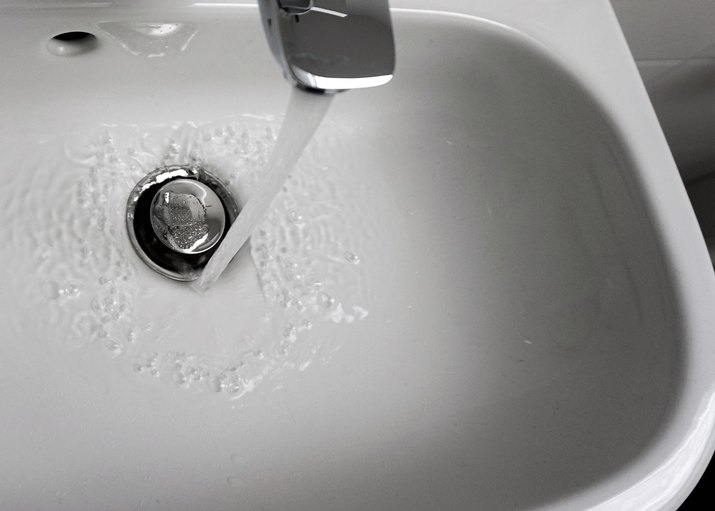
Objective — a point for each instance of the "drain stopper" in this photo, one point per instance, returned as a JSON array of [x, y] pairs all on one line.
[[176, 217], [187, 216]]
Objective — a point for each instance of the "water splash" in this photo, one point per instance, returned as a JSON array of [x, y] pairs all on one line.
[[304, 114], [73, 264]]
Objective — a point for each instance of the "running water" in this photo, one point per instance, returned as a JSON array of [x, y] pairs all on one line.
[[304, 114]]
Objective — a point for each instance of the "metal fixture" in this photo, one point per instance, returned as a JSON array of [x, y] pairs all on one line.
[[331, 45], [176, 218]]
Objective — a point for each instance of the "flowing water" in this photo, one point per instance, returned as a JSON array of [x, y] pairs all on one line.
[[276, 312], [304, 114]]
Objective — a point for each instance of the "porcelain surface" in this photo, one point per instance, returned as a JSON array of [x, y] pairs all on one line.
[[482, 288]]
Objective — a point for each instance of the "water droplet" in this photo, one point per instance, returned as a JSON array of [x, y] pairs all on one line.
[[113, 346], [351, 257], [290, 333], [326, 300], [71, 290], [315, 285], [294, 217], [297, 304]]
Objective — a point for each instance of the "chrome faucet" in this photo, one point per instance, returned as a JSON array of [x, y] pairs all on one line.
[[331, 45]]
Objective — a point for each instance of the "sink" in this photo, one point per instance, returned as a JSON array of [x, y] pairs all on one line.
[[481, 288]]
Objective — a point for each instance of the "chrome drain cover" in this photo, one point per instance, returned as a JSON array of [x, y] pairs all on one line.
[[177, 217]]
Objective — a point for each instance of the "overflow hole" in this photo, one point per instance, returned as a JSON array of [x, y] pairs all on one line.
[[72, 43]]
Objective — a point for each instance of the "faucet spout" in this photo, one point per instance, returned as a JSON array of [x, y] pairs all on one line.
[[331, 45]]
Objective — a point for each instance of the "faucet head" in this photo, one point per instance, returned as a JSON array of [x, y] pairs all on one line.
[[331, 45]]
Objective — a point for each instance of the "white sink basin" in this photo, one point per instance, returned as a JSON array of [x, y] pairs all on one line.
[[482, 288]]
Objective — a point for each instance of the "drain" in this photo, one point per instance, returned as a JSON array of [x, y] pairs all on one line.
[[177, 217], [68, 44]]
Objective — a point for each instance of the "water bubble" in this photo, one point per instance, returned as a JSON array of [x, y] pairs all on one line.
[[314, 284], [71, 290], [297, 304], [326, 300], [290, 332], [294, 217], [113, 346], [351, 257], [291, 274]]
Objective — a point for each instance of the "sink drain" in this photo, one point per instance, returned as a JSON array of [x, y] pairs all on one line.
[[177, 217]]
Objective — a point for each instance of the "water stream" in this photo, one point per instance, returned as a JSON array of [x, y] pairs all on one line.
[[303, 116]]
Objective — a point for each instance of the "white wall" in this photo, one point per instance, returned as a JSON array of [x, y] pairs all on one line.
[[673, 42]]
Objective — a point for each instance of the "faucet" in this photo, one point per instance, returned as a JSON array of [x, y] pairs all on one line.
[[331, 45]]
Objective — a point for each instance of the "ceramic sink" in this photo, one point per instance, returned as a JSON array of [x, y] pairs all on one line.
[[481, 288]]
